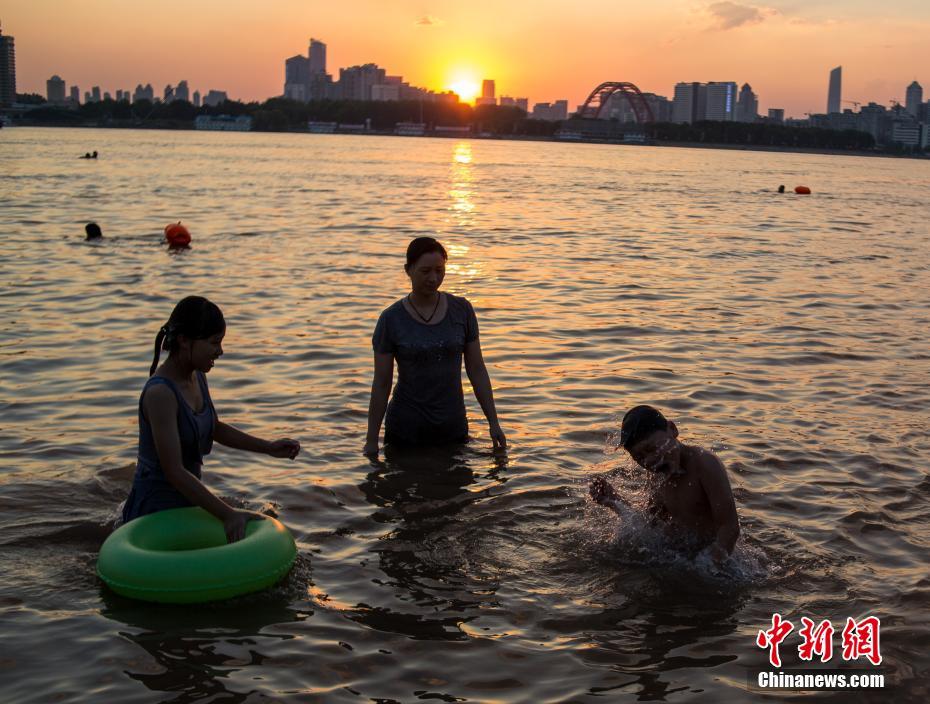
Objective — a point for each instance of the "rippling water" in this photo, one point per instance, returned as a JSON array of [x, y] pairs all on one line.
[[787, 333]]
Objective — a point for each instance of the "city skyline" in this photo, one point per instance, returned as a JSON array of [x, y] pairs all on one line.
[[532, 57]]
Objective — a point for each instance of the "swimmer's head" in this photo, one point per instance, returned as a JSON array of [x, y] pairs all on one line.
[[93, 231], [193, 319], [650, 438]]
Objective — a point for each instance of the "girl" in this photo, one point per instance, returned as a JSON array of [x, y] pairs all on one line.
[[178, 423]]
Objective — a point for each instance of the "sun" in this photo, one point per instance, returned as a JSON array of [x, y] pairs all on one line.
[[465, 86]]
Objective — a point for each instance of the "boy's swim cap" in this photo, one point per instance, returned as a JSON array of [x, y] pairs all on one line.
[[640, 422]]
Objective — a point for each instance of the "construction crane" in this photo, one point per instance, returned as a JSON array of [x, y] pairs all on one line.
[[854, 103]]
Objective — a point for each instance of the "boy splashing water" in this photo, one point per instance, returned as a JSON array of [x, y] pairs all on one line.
[[688, 487]]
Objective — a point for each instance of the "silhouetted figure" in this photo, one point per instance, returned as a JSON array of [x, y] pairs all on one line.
[[93, 155], [781, 188], [93, 231], [89, 155]]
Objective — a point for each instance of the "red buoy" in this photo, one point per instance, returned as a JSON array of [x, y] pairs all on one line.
[[177, 235], [802, 190]]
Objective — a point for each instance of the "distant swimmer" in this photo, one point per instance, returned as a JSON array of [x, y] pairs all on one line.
[[781, 188], [93, 231], [688, 487], [89, 155]]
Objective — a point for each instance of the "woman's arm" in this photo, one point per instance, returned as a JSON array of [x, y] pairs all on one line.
[[161, 410], [481, 383], [380, 390], [230, 436]]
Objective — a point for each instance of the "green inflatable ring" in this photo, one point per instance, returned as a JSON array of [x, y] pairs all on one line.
[[180, 556]]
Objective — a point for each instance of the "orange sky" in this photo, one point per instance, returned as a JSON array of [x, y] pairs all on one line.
[[542, 50]]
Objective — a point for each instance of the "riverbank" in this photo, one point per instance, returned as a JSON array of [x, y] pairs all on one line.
[[187, 126]]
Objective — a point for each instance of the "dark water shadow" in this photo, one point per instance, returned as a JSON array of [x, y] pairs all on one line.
[[187, 642]]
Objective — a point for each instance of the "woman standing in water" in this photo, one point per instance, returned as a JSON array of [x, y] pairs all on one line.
[[178, 423], [429, 333]]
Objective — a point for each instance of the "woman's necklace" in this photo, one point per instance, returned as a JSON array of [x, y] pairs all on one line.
[[416, 310]]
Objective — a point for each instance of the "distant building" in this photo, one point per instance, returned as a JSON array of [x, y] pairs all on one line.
[[507, 102], [721, 101], [75, 95], [55, 90], [777, 115], [835, 93], [747, 107], [106, 96], [690, 102], [196, 100], [305, 77], [873, 119], [7, 71], [619, 108], [385, 91], [168, 95], [355, 82], [907, 134], [523, 104], [317, 57], [215, 98], [95, 94], [487, 93], [551, 111], [146, 93], [182, 92], [914, 97]]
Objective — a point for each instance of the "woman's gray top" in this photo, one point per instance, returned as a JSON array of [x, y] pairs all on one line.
[[427, 406]]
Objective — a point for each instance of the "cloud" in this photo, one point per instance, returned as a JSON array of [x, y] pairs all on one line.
[[429, 21], [729, 15]]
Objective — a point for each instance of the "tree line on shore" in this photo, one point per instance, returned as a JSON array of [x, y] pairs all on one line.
[[284, 115]]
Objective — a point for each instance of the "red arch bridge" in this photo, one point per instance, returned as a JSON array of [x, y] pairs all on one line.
[[599, 98]]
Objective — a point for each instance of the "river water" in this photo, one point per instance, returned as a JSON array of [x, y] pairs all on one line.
[[786, 333]]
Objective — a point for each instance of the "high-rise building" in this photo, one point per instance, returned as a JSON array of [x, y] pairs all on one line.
[[747, 107], [182, 92], [305, 77], [355, 82], [721, 101], [914, 97], [106, 96], [690, 102], [523, 104], [7, 71], [140, 93], [507, 101], [835, 94], [55, 90], [487, 93], [75, 95], [296, 78], [215, 98], [777, 115], [317, 56], [196, 98], [95, 94], [168, 95]]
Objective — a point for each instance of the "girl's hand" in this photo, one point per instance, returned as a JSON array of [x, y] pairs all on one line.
[[498, 437], [234, 524], [371, 449], [284, 448]]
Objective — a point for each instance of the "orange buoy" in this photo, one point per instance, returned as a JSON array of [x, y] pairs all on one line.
[[802, 190], [177, 235]]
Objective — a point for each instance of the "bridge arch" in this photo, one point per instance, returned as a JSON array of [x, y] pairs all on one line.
[[600, 96]]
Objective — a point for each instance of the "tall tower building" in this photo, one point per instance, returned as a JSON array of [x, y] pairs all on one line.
[[196, 99], [721, 101], [55, 90], [690, 103], [747, 107], [835, 95], [182, 92], [75, 95], [317, 56], [7, 71], [913, 99]]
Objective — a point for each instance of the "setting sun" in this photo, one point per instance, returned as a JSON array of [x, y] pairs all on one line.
[[466, 87]]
